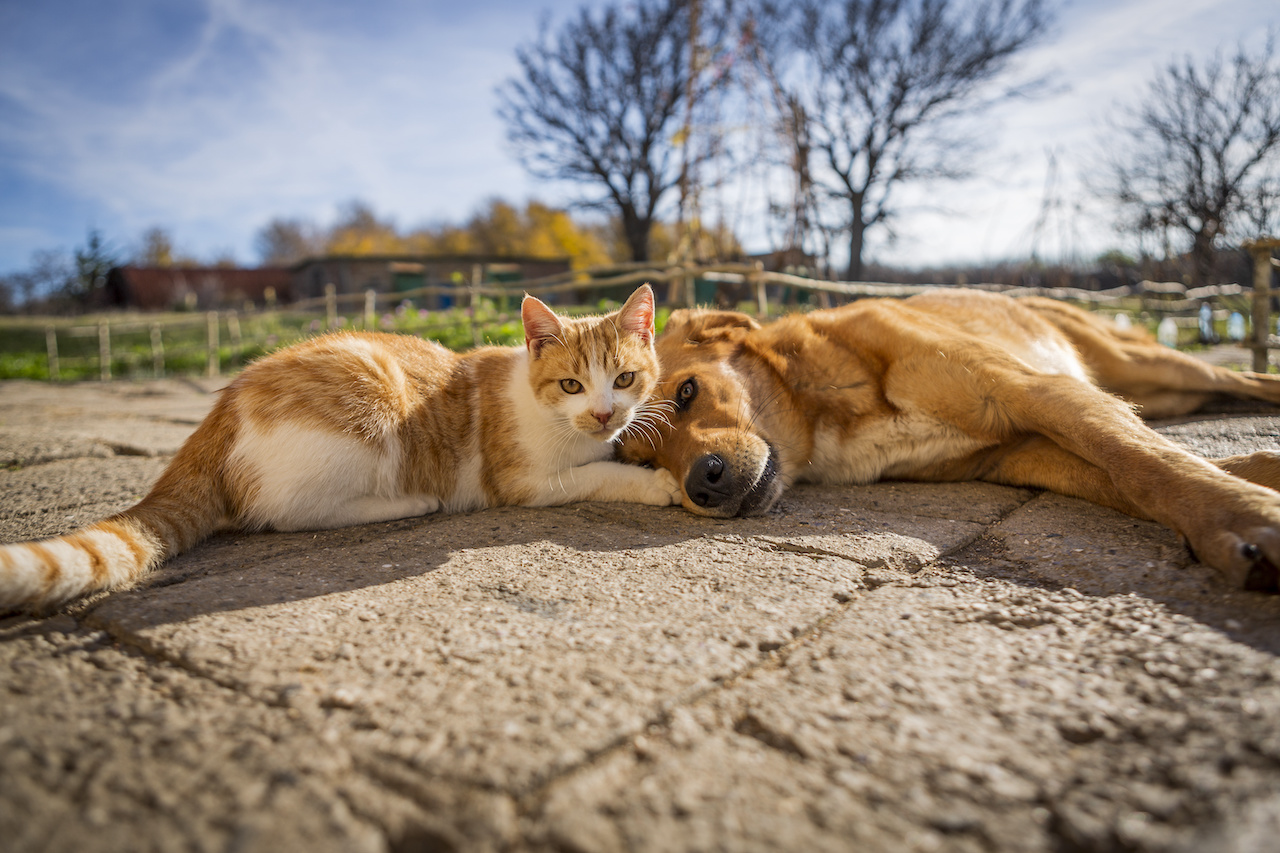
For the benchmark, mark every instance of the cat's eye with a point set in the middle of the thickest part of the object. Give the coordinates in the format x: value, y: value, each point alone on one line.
x: 685, y: 395
x: 571, y: 386
x: 624, y: 380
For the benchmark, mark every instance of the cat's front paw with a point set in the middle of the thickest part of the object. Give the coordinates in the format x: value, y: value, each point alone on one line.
x: 664, y: 489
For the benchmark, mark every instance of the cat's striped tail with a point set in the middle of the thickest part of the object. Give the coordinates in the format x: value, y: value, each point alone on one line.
x: 116, y: 552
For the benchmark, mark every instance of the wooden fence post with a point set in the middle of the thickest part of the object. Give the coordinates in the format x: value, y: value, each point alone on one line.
x: 477, y: 273
x: 214, y: 367
x: 1260, y: 250
x: 104, y: 351
x: 762, y: 298
x: 157, y: 350
x: 51, y: 344
x: 331, y: 306
x: 370, y: 310
x: 233, y: 332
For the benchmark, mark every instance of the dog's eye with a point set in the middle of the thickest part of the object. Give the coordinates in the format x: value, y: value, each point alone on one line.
x: 685, y: 395
x: 624, y: 380
x: 571, y: 386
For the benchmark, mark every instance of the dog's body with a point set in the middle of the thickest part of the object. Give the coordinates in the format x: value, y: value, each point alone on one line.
x: 959, y: 385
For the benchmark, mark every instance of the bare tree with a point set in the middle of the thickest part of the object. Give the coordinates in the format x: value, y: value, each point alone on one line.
x: 602, y: 102
x: 885, y: 91
x: 286, y: 241
x: 44, y: 285
x: 1198, y: 160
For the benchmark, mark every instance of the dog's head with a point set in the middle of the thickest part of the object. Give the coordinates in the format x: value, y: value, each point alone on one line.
x: 705, y: 428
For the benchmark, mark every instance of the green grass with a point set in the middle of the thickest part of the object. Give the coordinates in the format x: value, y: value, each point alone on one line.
x: 23, y: 365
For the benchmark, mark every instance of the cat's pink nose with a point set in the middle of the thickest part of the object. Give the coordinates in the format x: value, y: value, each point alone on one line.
x: 603, y: 417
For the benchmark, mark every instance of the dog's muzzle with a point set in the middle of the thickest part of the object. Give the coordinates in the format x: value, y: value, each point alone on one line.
x: 717, y: 487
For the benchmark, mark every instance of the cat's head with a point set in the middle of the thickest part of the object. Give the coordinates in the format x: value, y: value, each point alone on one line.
x: 594, y: 372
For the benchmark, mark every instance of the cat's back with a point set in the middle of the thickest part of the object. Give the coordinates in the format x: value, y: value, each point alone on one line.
x: 356, y: 382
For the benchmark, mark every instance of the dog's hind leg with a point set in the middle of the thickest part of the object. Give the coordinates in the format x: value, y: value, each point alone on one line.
x: 1261, y: 467
x: 1163, y: 382
x: 1037, y: 462
x: 1160, y: 381
x: 1230, y: 523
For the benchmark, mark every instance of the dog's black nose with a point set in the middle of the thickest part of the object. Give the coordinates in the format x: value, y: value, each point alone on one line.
x: 708, y: 482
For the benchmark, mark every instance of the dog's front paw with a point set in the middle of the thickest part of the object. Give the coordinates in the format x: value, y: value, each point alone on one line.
x: 1263, y: 574
x: 1244, y: 547
x: 663, y: 490
x: 1249, y: 562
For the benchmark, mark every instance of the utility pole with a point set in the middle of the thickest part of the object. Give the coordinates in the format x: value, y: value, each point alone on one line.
x: 687, y: 225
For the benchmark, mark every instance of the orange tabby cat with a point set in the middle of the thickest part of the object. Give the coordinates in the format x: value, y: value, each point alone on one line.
x: 359, y: 427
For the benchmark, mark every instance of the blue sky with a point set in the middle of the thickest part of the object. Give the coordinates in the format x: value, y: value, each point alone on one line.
x: 212, y: 117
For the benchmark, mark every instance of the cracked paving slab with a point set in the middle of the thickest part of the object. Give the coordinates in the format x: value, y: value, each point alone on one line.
x: 89, y: 419
x: 103, y: 749
x: 953, y: 712
x: 52, y: 498
x: 907, y: 666
x: 524, y: 641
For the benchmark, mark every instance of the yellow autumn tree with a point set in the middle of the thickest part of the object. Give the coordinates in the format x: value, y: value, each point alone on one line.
x: 157, y: 250
x: 359, y: 231
x: 539, y: 231
x: 553, y: 232
x: 440, y: 240
x: 498, y: 229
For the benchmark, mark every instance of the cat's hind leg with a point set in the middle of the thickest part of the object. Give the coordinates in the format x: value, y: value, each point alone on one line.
x: 368, y: 509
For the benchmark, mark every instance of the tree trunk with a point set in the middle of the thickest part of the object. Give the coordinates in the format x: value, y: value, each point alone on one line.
x: 636, y: 232
x: 1201, y: 258
x: 857, y: 228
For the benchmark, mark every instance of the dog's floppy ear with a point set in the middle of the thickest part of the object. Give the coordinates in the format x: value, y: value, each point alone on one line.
x: 703, y: 324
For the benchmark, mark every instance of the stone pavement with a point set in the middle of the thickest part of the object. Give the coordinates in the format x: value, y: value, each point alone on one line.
x: 893, y: 668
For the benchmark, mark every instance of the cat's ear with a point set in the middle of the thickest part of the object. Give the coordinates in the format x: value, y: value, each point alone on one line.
x: 541, y: 325
x: 636, y: 315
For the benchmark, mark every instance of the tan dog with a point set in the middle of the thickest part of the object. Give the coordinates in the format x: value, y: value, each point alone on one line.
x: 958, y: 385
